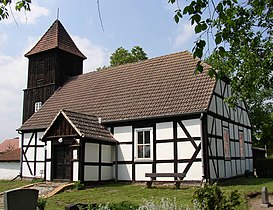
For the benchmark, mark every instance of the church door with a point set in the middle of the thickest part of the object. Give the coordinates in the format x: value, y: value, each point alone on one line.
x: 62, y: 162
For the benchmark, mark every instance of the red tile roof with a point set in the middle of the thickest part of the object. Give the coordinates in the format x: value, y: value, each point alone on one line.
x: 56, y: 37
x: 158, y: 87
x: 11, y: 156
x: 9, y: 144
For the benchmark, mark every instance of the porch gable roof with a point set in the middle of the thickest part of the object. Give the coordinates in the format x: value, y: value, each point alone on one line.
x: 86, y: 126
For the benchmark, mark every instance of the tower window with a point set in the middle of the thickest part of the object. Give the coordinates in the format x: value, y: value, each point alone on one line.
x: 37, y: 106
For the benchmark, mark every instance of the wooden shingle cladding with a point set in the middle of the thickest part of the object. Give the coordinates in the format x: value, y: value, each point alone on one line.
x: 159, y: 87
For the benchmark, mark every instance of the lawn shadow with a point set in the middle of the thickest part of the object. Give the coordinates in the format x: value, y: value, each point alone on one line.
x: 246, y: 181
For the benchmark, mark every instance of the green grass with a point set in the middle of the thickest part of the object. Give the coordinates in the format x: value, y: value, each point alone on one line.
x: 137, y: 193
x: 8, y: 185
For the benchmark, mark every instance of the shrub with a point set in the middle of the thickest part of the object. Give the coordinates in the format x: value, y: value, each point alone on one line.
x: 211, y: 197
x: 78, y: 185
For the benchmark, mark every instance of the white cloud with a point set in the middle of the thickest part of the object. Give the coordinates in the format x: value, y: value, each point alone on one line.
x: 185, y: 37
x: 23, y: 17
x: 3, y: 40
x: 12, y: 82
x: 97, y: 56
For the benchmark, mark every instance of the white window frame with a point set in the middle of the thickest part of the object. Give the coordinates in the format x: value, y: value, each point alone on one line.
x: 150, y: 129
x: 37, y: 106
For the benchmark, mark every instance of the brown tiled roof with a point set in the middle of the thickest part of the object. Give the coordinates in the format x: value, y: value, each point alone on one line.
x: 56, y: 37
x: 87, y: 126
x: 9, y: 144
x: 13, y: 155
x: 158, y: 87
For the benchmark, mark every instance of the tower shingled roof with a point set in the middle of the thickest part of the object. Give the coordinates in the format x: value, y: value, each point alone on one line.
x: 56, y: 37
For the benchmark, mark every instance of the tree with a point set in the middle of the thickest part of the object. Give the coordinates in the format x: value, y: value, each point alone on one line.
x: 123, y: 56
x: 242, y: 35
x: 5, y: 4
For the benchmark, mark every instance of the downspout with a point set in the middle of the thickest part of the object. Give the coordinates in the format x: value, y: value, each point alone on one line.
x: 204, y: 154
x: 116, y: 165
x: 21, y: 154
x: 202, y: 146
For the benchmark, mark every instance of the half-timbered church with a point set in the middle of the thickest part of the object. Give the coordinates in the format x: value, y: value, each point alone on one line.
x: 119, y: 123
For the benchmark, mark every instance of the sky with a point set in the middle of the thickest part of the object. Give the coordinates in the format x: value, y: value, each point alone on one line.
x: 125, y: 23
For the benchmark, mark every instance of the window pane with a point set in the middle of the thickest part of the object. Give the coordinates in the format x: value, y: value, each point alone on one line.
x: 140, y: 137
x: 147, y: 137
x: 140, y: 151
x: 147, y: 151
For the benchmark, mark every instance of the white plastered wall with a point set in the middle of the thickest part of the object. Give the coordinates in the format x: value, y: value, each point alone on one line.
x: 9, y: 170
x: 34, y: 154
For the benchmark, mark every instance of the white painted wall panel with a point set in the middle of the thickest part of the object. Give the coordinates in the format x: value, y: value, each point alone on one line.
x: 30, y: 153
x: 164, y: 151
x: 186, y: 150
x: 91, y: 173
x: 226, y: 110
x: 211, y: 168
x: 123, y: 133
x: 218, y: 88
x: 213, y: 147
x: 232, y: 149
x: 212, y: 106
x: 210, y: 129
x: 231, y: 131
x: 9, y: 170
x: 124, y: 172
x: 237, y: 148
x: 106, y: 173
x: 40, y: 170
x: 194, y: 173
x: 26, y: 172
x: 48, y: 148
x: 141, y: 169
x: 228, y: 169
x: 27, y: 137
x: 219, y: 105
x: 40, y: 154
x: 218, y: 127
x: 125, y: 152
x: 165, y: 168
x: 238, y: 165
x: 75, y: 171
x: 39, y: 136
x: 233, y: 167
x: 106, y: 154
x: 192, y: 126
x: 164, y: 130
x: 48, y: 171
x: 220, y: 147
x: 221, y: 165
x: 91, y: 152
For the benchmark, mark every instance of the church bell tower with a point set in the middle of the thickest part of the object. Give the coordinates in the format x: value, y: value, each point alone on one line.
x: 52, y: 61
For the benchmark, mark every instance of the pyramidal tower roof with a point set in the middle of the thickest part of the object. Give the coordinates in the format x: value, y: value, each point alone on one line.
x: 56, y: 37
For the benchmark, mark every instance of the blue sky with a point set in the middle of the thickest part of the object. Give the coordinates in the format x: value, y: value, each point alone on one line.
x: 126, y: 23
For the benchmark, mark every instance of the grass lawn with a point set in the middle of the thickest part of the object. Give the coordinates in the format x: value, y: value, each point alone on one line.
x: 8, y: 185
x: 137, y: 193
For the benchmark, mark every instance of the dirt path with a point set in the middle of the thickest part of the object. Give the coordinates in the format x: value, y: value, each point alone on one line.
x: 255, y: 203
